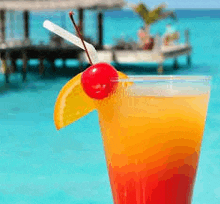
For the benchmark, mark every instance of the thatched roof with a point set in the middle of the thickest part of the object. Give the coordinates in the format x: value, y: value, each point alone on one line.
x: 59, y: 4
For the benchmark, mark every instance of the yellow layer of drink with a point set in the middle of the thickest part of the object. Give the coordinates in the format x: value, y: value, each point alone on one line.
x: 152, y: 144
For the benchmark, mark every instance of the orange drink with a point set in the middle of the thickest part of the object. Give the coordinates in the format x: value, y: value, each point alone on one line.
x: 152, y: 127
x: 152, y: 132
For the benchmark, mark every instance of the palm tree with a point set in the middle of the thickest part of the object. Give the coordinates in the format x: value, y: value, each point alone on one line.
x: 152, y: 16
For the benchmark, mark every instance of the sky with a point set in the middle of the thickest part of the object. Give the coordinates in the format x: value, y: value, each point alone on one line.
x: 213, y: 4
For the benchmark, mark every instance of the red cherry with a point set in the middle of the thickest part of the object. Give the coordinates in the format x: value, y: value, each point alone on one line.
x: 99, y: 80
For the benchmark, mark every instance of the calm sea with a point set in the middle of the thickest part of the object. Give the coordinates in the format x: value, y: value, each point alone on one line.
x: 41, y: 165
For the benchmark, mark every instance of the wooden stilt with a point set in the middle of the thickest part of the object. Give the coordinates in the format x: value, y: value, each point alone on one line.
x: 81, y: 15
x: 11, y: 62
x: 188, y: 43
x: 100, y: 30
x: 160, y: 68
x: 2, y: 26
x: 7, y: 67
x: 2, y: 40
x: 24, y: 69
x: 64, y: 63
x: 175, y: 65
x: 6, y: 77
x: 52, y: 63
x: 13, y: 65
x: 26, y: 25
x: 189, y: 62
x: 41, y: 65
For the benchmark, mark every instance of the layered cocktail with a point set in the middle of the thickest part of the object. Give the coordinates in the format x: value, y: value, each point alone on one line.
x: 152, y: 126
x: 152, y: 132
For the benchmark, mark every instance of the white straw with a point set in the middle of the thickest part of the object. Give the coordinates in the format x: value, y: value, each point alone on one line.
x: 72, y: 38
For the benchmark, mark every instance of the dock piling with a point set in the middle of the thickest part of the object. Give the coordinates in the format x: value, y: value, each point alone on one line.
x: 41, y: 65
x: 13, y: 64
x: 81, y: 18
x: 6, y: 77
x: 100, y: 30
x: 7, y: 67
x: 24, y: 69
x: 189, y: 62
x: 26, y: 24
x: 2, y: 25
x: 175, y: 65
x: 52, y: 63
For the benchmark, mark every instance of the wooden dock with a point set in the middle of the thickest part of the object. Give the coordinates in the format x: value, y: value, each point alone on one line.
x: 159, y: 54
x: 9, y: 56
x: 11, y: 51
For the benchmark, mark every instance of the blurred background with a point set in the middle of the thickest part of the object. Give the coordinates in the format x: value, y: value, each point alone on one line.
x: 39, y: 164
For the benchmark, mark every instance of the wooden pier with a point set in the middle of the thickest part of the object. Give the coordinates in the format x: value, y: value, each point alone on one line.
x: 159, y: 54
x: 11, y: 51
x: 9, y: 56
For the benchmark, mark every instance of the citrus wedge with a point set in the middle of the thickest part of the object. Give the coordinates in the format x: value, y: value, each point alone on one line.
x: 72, y: 102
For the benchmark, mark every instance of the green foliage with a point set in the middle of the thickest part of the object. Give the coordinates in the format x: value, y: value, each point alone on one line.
x: 148, y: 16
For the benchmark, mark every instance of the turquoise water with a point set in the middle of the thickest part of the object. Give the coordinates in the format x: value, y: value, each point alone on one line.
x: 41, y: 165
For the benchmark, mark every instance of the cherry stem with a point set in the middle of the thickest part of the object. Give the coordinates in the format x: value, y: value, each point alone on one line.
x: 81, y: 37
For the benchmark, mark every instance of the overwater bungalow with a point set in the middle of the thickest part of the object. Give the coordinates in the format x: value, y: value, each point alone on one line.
x: 25, y: 50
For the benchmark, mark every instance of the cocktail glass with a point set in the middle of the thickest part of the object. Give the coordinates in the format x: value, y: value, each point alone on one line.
x: 152, y: 130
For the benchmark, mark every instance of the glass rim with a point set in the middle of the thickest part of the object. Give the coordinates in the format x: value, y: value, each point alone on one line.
x: 166, y: 78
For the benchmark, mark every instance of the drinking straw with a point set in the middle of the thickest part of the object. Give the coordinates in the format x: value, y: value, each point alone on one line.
x: 72, y: 38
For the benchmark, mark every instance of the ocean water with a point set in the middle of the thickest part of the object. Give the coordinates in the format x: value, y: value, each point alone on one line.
x: 41, y: 165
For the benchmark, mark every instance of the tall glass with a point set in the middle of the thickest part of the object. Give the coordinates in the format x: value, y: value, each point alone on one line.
x: 152, y: 130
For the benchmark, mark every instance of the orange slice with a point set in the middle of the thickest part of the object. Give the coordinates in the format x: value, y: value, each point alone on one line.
x: 72, y: 102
